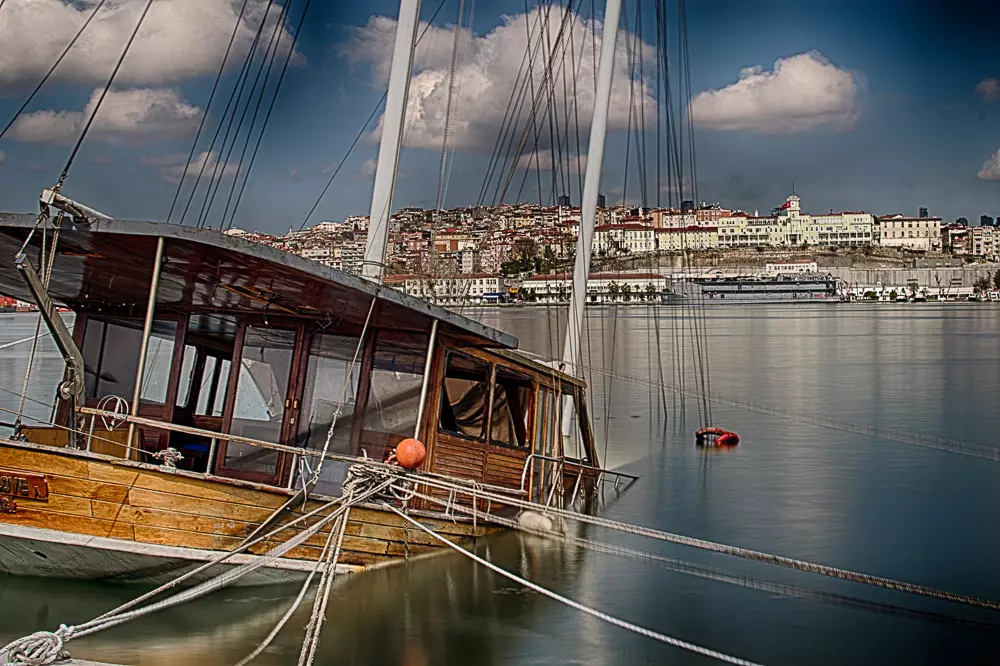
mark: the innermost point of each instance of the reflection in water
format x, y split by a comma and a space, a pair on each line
791, 488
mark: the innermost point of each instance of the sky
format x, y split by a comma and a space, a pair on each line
877, 106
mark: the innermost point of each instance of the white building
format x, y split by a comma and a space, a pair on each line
915, 233
789, 267
471, 288
984, 242
631, 238
687, 238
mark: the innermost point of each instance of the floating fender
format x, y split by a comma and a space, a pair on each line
535, 522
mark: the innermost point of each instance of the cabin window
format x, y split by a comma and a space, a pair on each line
204, 379
394, 396
330, 379
261, 392
466, 391
111, 358
509, 425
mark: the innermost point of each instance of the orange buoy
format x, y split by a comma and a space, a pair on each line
410, 453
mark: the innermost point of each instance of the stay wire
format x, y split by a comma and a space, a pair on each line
270, 109
240, 79
219, 169
361, 132
100, 100
52, 69
208, 108
273, 51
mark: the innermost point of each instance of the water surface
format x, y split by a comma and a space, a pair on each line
803, 491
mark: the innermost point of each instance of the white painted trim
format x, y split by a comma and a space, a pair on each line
153, 550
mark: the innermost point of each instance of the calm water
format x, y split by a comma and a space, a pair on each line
846, 500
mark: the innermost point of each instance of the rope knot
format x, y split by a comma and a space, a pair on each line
39, 649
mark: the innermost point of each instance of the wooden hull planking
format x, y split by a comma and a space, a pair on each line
146, 523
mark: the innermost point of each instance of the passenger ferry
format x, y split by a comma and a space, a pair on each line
797, 288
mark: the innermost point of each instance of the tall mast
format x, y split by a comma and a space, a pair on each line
392, 138
591, 185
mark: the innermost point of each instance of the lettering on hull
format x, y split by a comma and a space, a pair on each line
21, 485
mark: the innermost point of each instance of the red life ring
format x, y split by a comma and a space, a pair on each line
729, 439
711, 436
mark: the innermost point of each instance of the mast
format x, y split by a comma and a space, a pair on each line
392, 138
591, 185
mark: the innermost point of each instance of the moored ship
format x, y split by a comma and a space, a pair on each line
797, 288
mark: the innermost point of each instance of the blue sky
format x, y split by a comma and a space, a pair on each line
872, 106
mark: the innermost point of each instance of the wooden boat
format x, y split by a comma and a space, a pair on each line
241, 361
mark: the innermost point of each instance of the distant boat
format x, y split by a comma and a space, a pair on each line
755, 290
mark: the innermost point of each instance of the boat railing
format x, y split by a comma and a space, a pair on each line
562, 462
297, 453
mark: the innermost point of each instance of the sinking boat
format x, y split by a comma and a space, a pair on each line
235, 356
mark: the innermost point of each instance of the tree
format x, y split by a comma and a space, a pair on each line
981, 285
996, 280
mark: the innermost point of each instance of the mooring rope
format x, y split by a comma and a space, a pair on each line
600, 615
707, 572
44, 648
735, 551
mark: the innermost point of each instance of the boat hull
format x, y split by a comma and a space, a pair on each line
30, 551
107, 518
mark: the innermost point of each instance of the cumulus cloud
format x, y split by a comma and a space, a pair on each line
134, 115
801, 93
178, 39
368, 167
171, 167
991, 168
989, 89
485, 77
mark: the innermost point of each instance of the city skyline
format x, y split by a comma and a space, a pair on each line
883, 107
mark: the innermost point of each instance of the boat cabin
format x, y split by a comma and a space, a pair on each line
245, 341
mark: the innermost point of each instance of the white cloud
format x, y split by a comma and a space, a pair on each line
142, 113
542, 161
178, 39
989, 89
485, 76
368, 167
991, 168
171, 167
802, 92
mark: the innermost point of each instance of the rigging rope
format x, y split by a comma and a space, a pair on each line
361, 132
52, 69
270, 109
610, 619
208, 107
100, 100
